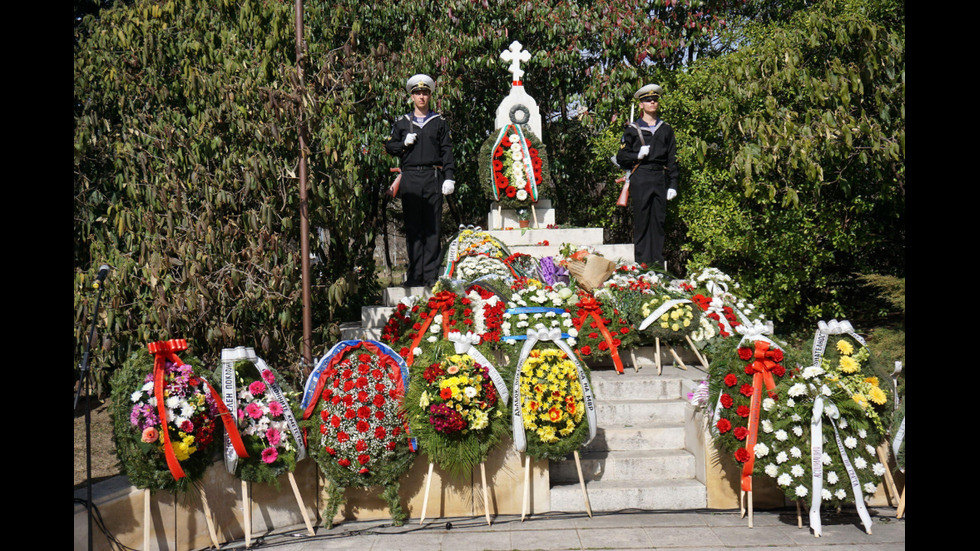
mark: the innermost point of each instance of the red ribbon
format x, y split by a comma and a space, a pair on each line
167, 350
761, 368
591, 306
438, 304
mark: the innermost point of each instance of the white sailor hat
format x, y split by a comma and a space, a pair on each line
420, 82
650, 91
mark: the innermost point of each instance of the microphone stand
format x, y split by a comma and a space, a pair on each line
84, 378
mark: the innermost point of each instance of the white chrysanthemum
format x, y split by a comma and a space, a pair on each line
825, 390
840, 494
147, 387
781, 435
432, 339
843, 423
771, 470
870, 449
469, 391
152, 401
795, 417
761, 450
801, 491
870, 488
781, 457
521, 195
768, 404
172, 402
862, 433
799, 389
571, 342
825, 458
784, 480
417, 351
766, 426
860, 463
812, 371
850, 442
797, 471
187, 410
790, 402
135, 397
826, 495
832, 477
878, 469
795, 452
798, 431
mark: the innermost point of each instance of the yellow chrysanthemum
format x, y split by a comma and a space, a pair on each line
849, 364
845, 347
878, 396
860, 400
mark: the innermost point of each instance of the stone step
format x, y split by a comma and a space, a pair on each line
610, 385
626, 465
616, 495
636, 412
354, 331
545, 215
554, 236
375, 316
645, 357
393, 295
666, 436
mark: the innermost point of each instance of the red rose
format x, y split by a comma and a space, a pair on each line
364, 358
748, 370
379, 400
731, 379
742, 411
724, 425
779, 370
342, 437
364, 412
380, 415
330, 450
362, 445
741, 455
745, 353
348, 385
777, 355
335, 421
741, 433
377, 374
363, 426
364, 369
391, 445
585, 350
380, 433
325, 415
344, 462
361, 382
350, 414
726, 400
364, 470
746, 390
363, 458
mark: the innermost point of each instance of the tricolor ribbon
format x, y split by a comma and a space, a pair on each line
465, 343
591, 307
438, 304
512, 339
554, 335
764, 361
164, 351
316, 381
231, 356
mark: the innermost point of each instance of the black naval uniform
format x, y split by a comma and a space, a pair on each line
425, 164
655, 174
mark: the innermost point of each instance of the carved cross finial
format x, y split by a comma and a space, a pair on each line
515, 56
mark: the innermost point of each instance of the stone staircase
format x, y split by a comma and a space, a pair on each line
638, 458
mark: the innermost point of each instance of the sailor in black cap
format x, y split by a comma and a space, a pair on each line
648, 149
421, 140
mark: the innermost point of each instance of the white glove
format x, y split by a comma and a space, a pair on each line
671, 193
448, 187
410, 139
644, 151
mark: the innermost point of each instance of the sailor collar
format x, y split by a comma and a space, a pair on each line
641, 124
430, 116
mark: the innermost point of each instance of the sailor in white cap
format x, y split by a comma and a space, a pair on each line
421, 140
649, 150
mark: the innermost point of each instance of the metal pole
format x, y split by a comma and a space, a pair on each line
304, 219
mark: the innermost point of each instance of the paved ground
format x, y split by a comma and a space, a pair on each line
690, 530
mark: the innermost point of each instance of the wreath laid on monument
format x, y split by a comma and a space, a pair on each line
164, 419
602, 329
534, 303
352, 402
665, 315
514, 169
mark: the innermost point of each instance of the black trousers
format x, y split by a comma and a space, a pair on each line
648, 188
421, 193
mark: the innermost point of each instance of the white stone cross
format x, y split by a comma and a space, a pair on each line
515, 56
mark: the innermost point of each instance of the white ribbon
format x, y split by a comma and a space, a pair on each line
287, 411
540, 333
465, 343
856, 489
816, 464
832, 327
661, 310
898, 439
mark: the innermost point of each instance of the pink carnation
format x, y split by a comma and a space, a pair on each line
269, 455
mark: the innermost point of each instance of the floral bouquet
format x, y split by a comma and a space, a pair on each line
456, 405
473, 241
821, 442
557, 411
586, 265
269, 430
514, 167
535, 303
743, 389
718, 295
601, 328
164, 419
471, 267
666, 316
353, 400
524, 265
